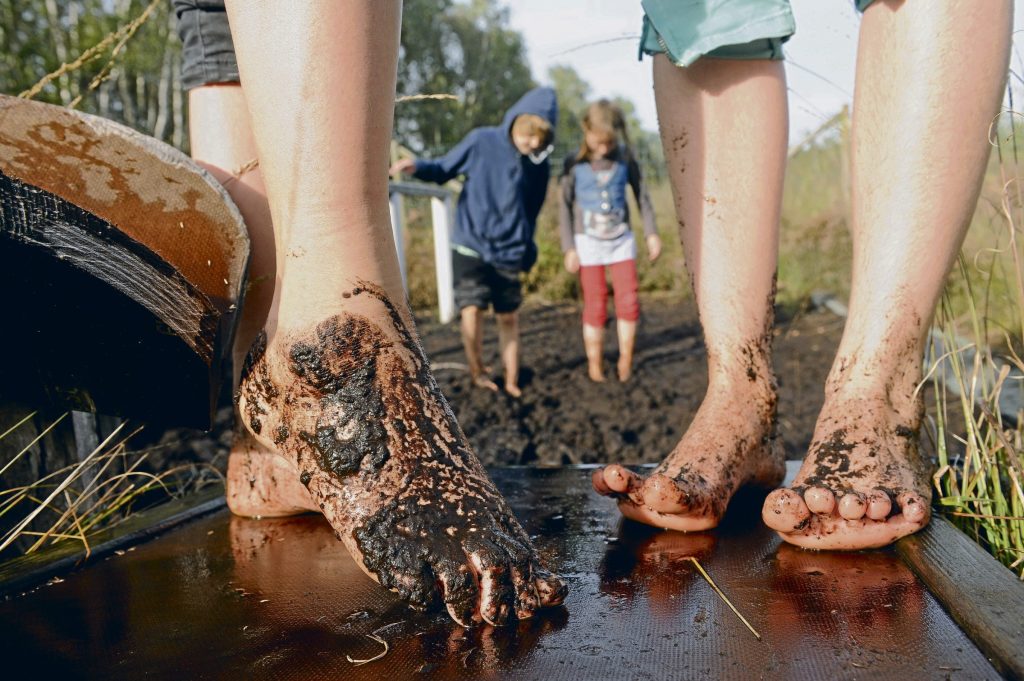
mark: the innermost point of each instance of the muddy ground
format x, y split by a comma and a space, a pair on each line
565, 418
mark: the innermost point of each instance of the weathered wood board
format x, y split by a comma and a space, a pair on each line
122, 264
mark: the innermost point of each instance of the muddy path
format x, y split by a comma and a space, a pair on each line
564, 418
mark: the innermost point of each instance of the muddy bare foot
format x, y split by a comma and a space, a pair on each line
732, 442
863, 484
263, 484
484, 381
352, 402
625, 369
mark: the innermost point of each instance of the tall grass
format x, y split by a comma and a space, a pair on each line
75, 502
980, 480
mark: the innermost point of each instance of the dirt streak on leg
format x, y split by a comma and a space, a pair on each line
723, 126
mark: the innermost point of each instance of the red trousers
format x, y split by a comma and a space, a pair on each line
595, 292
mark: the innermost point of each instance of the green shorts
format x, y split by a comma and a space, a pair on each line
686, 30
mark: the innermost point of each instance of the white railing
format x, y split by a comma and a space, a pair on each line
441, 224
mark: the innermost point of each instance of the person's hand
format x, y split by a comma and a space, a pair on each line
653, 247
572, 261
405, 166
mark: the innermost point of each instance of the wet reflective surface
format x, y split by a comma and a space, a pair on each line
229, 598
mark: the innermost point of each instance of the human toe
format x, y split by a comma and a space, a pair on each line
550, 589
495, 586
663, 494
819, 500
852, 506
879, 505
913, 506
784, 510
460, 592
621, 480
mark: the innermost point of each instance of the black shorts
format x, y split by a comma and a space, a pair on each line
480, 284
207, 51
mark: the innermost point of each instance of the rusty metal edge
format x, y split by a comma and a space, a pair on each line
27, 572
981, 595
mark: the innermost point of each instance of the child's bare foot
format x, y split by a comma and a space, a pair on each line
263, 484
595, 372
353, 403
625, 369
863, 484
513, 390
732, 442
484, 381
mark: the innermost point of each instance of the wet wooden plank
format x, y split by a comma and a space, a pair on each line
227, 597
26, 572
985, 598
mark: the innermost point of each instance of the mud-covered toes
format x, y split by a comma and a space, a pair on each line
621, 480
785, 511
550, 589
662, 494
879, 505
495, 581
459, 592
914, 507
819, 500
852, 506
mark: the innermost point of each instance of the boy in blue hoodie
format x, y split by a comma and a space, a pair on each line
506, 180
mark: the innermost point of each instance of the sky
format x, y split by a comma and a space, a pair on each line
820, 57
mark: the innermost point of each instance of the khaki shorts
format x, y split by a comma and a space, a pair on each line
686, 30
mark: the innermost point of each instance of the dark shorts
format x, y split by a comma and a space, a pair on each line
208, 53
480, 284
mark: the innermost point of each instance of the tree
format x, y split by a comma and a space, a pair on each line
463, 49
574, 96
139, 86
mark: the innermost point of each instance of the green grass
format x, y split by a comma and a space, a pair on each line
981, 466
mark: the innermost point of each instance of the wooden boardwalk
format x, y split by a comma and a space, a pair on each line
231, 598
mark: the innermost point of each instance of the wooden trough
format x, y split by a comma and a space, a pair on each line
123, 264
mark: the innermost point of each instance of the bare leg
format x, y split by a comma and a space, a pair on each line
627, 341
259, 483
929, 80
593, 345
472, 323
723, 126
339, 383
508, 342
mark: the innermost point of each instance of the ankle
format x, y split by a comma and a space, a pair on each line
892, 384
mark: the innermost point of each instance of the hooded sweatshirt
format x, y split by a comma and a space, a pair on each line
503, 190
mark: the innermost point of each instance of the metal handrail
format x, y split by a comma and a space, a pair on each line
441, 225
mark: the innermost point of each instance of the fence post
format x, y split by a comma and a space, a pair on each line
440, 214
395, 207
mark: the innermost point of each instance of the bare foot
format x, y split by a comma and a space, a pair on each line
263, 484
625, 369
483, 381
595, 372
732, 442
863, 483
513, 390
353, 403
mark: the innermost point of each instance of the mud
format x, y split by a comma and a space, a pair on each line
383, 457
564, 418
